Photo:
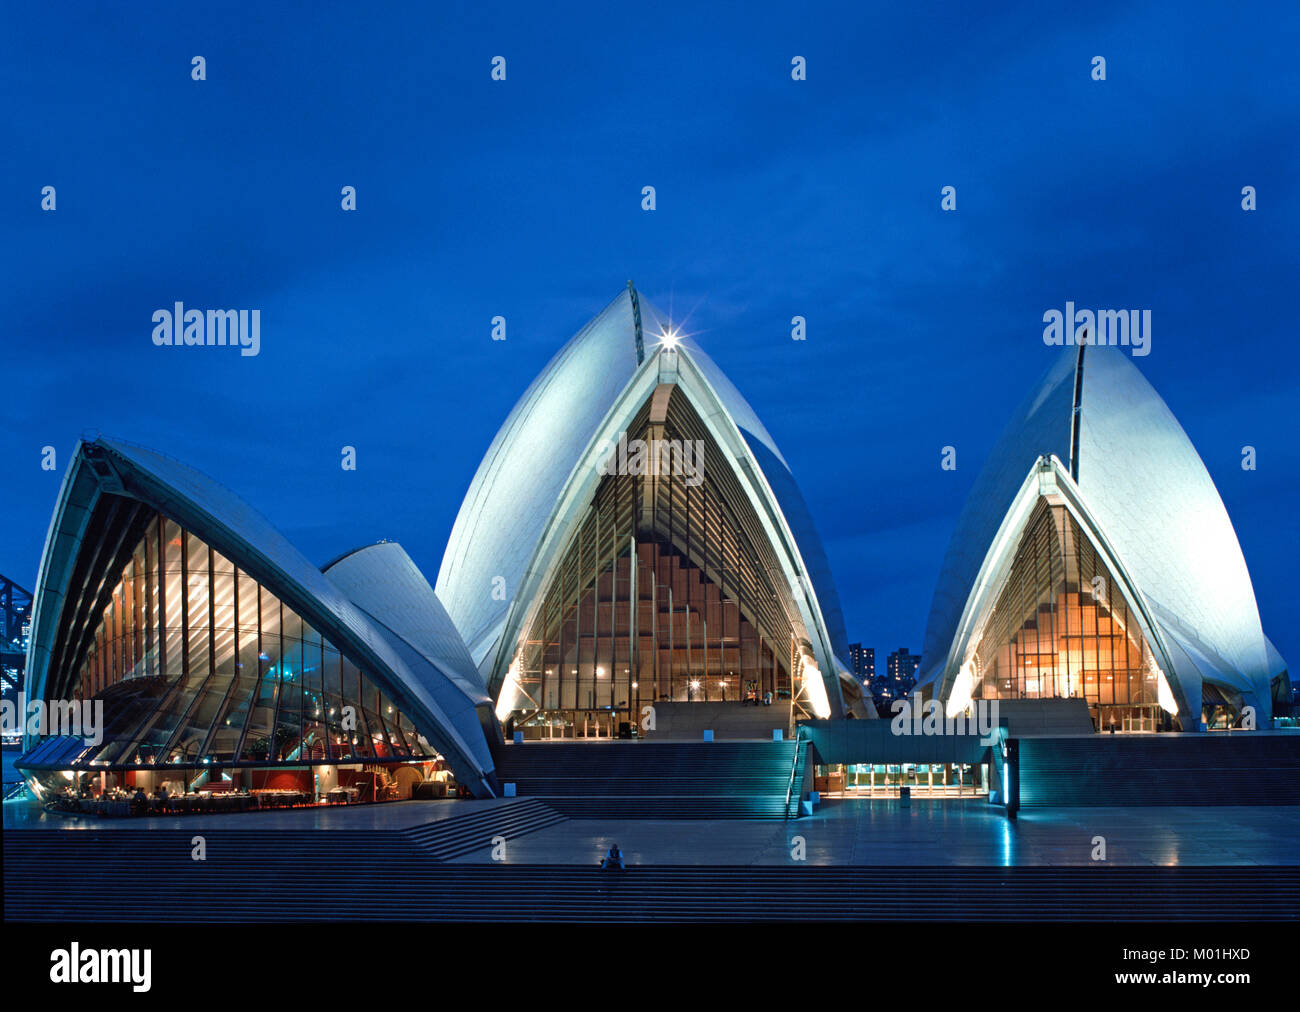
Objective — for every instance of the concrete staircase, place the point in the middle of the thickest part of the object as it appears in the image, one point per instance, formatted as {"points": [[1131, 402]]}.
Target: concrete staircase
{"points": [[463, 834], [645, 779], [1045, 718], [728, 721], [63, 876], [1210, 768]]}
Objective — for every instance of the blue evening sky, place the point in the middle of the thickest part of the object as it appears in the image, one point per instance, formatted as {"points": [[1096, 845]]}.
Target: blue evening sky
{"points": [[522, 199]]}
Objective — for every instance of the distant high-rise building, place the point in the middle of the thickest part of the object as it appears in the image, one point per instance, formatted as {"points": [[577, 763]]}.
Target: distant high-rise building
{"points": [[15, 628], [902, 666], [897, 680], [863, 661]]}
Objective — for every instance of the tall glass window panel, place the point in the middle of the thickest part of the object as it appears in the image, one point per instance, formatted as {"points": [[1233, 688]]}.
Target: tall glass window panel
{"points": [[389, 716], [153, 597], [314, 703], [197, 617], [174, 600], [353, 715], [261, 721], [288, 732], [339, 742], [242, 696], [223, 615]]}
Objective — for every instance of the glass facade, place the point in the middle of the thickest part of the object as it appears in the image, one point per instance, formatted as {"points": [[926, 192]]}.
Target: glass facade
{"points": [[663, 594], [935, 780], [1061, 628], [197, 663]]}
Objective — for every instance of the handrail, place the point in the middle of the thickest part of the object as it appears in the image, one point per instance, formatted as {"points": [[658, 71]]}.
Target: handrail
{"points": [[794, 768]]}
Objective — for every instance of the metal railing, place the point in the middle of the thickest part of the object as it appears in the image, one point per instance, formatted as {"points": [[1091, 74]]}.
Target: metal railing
{"points": [[794, 769]]}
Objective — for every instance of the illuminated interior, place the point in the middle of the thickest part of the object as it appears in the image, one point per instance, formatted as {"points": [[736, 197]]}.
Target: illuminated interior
{"points": [[665, 593], [210, 682], [1061, 628], [202, 663]]}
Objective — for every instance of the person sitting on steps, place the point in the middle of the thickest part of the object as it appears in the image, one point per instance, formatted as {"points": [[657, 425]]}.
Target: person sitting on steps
{"points": [[613, 860]]}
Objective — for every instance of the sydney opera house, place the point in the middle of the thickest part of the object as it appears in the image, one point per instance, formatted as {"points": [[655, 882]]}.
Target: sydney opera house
{"points": [[633, 538], [1095, 560], [580, 584]]}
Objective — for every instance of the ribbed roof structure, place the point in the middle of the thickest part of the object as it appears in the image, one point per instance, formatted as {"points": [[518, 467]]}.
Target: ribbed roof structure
{"points": [[1140, 487], [538, 474], [413, 658]]}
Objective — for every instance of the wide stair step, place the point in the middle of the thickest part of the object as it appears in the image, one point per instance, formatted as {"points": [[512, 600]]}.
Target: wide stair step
{"points": [[463, 834], [653, 780], [670, 808], [734, 721], [65, 876], [1210, 768]]}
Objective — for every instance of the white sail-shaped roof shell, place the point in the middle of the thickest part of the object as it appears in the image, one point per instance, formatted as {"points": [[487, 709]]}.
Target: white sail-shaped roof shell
{"points": [[519, 480], [441, 707], [539, 473], [1148, 497], [386, 584]]}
